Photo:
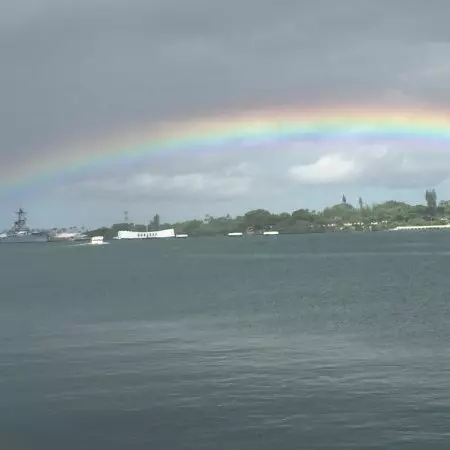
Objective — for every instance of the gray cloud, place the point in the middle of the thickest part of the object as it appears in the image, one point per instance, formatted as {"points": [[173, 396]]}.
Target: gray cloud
{"points": [[72, 69], [392, 164], [230, 182]]}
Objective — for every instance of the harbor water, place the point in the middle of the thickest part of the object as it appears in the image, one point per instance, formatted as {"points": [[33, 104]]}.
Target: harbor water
{"points": [[335, 341]]}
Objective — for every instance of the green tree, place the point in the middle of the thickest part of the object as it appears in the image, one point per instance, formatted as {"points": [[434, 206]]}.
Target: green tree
{"points": [[258, 218], [342, 212], [431, 199], [303, 214], [387, 214], [360, 203], [191, 226]]}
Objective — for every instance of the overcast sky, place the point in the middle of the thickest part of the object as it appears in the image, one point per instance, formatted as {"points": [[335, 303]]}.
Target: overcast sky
{"points": [[71, 69]]}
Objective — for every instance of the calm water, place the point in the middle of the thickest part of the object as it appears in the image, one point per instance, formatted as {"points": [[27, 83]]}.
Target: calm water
{"points": [[296, 342]]}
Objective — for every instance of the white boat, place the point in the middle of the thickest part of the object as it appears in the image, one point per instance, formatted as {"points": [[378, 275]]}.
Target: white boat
{"points": [[271, 233], [235, 234], [182, 235], [97, 240]]}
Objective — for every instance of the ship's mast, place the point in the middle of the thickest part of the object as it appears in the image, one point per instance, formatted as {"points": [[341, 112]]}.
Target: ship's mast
{"points": [[21, 219]]}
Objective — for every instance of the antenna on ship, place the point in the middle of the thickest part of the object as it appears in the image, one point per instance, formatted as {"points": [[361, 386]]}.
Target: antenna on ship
{"points": [[20, 213], [21, 218]]}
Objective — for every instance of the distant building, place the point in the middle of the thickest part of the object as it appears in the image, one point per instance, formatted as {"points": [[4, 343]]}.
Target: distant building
{"points": [[123, 234]]}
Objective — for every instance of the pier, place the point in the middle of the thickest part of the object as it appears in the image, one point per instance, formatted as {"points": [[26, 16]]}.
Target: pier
{"points": [[422, 227]]}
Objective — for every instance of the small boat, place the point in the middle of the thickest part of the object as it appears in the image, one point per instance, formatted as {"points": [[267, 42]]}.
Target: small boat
{"points": [[97, 240]]}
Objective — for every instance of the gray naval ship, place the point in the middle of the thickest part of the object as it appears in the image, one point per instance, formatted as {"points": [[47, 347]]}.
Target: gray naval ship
{"points": [[20, 233]]}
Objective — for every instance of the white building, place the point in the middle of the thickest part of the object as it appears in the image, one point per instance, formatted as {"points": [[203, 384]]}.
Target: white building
{"points": [[170, 232]]}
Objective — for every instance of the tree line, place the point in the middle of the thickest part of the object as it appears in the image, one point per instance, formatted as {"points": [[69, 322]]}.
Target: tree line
{"points": [[340, 217]]}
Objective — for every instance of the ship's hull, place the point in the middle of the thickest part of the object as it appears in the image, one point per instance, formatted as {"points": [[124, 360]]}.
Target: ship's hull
{"points": [[24, 239]]}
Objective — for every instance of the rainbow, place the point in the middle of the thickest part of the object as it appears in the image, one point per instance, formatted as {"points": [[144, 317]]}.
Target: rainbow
{"points": [[227, 133]]}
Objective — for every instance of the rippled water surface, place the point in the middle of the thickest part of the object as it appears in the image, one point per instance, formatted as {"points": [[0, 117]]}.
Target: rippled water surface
{"points": [[288, 342]]}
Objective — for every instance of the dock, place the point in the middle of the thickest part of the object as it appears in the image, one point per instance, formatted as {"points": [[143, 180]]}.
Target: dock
{"points": [[421, 227]]}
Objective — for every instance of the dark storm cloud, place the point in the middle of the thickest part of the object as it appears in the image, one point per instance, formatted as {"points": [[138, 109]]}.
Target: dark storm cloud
{"points": [[68, 67], [75, 68]]}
